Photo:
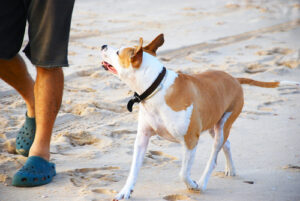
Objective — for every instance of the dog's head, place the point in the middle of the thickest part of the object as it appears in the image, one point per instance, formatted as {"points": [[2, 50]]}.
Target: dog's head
{"points": [[127, 61]]}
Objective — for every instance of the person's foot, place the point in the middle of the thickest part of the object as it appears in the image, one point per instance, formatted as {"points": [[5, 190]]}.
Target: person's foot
{"points": [[40, 150], [26, 136], [35, 172]]}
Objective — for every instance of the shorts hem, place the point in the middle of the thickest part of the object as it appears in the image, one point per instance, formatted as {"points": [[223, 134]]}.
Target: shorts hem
{"points": [[51, 65], [7, 57], [47, 64]]}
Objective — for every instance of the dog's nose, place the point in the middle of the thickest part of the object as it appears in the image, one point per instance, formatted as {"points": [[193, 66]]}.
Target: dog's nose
{"points": [[104, 47]]}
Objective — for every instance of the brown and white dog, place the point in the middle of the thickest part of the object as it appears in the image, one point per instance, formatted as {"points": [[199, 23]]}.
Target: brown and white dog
{"points": [[180, 109]]}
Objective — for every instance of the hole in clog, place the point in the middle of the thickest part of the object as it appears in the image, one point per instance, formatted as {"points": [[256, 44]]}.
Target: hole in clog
{"points": [[24, 179], [44, 178], [27, 143], [48, 177], [21, 146], [35, 179]]}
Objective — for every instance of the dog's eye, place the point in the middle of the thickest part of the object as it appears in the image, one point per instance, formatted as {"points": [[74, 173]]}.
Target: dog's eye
{"points": [[118, 52]]}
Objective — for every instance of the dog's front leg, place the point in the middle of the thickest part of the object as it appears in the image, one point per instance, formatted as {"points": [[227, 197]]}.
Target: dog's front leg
{"points": [[140, 146]]}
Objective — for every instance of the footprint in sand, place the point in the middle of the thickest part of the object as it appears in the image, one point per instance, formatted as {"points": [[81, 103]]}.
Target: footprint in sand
{"points": [[276, 50], [89, 176], [256, 68], [8, 166], [109, 106], [268, 106], [255, 115], [176, 197], [160, 158], [294, 168], [120, 133], [289, 90], [220, 174], [104, 191], [86, 73], [80, 139]]}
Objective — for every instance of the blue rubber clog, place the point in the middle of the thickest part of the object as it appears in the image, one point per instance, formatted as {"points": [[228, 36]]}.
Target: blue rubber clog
{"points": [[25, 136], [35, 172]]}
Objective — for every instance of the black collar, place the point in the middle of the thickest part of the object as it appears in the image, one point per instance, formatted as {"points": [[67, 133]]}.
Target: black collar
{"points": [[138, 98]]}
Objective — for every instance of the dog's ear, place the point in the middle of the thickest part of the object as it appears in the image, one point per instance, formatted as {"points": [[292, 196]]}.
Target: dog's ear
{"points": [[137, 58], [155, 44]]}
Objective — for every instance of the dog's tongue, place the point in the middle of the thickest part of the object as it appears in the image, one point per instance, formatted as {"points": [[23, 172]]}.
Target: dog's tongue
{"points": [[109, 67]]}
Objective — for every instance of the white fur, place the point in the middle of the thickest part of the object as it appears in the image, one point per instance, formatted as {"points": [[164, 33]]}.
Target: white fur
{"points": [[156, 116], [140, 146], [229, 166], [185, 172], [288, 83], [212, 162]]}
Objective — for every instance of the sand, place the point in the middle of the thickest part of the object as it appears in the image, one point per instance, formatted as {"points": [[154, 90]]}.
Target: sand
{"points": [[93, 136]]}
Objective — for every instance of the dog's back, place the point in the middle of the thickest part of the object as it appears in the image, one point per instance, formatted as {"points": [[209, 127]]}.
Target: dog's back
{"points": [[212, 93]]}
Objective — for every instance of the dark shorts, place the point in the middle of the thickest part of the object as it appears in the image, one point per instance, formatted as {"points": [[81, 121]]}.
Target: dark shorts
{"points": [[48, 30]]}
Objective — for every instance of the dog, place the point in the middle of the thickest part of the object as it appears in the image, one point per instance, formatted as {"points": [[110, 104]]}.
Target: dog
{"points": [[178, 107]]}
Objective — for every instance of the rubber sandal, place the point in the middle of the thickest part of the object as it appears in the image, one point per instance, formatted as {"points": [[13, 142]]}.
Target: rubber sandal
{"points": [[25, 136], [35, 172]]}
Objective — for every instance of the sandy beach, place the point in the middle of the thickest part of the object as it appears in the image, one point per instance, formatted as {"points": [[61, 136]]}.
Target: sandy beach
{"points": [[92, 141]]}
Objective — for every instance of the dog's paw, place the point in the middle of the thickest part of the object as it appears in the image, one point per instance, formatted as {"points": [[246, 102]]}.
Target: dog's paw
{"points": [[201, 186], [193, 186], [125, 193], [229, 172]]}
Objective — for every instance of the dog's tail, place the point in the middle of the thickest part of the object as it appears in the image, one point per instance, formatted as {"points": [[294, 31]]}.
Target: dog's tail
{"points": [[267, 84]]}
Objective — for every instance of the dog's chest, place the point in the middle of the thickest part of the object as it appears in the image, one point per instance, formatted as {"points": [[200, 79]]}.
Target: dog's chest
{"points": [[163, 132], [167, 123]]}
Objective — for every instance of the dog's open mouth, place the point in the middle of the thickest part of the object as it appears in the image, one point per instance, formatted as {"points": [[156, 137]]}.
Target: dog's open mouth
{"points": [[109, 67]]}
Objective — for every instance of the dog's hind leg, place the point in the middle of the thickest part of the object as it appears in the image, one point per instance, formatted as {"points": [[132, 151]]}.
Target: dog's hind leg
{"points": [[229, 166], [187, 162], [218, 143]]}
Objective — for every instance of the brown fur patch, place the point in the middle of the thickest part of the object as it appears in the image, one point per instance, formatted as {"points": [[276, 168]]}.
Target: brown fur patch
{"points": [[212, 93], [258, 83], [134, 55], [125, 57], [137, 58], [152, 47]]}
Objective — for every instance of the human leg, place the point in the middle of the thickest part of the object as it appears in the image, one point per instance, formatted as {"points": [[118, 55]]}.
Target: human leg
{"points": [[49, 26], [14, 72], [48, 91]]}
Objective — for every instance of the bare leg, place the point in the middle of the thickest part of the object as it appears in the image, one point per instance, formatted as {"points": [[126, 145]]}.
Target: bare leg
{"points": [[185, 172], [48, 91], [229, 166], [14, 72], [219, 139]]}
